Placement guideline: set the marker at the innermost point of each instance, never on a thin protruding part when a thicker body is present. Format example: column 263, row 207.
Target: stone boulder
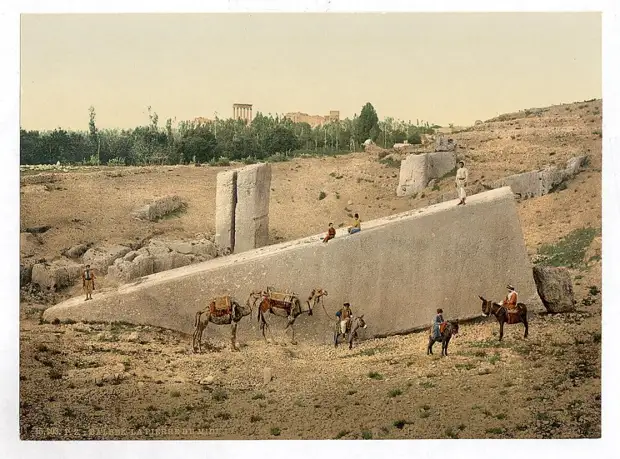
column 25, row 274
column 158, row 208
column 225, row 201
column 38, row 179
column 440, row 163
column 75, row 251
column 252, row 207
column 161, row 255
column 555, row 288
column 100, row 258
column 28, row 244
column 413, row 175
column 124, row 271
column 57, row 274
column 574, row 165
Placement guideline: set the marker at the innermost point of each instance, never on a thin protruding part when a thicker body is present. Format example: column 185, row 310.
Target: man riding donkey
column 344, row 316
column 510, row 302
column 88, row 282
column 438, row 324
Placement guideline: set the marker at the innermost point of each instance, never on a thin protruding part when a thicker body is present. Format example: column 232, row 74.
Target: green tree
column 94, row 138
column 366, row 126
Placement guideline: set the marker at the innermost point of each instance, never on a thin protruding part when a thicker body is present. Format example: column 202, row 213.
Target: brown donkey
column 504, row 316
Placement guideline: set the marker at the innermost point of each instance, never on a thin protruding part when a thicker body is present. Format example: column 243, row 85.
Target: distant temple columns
column 242, row 111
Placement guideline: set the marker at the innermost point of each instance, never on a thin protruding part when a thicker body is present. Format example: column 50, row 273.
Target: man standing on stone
column 462, row 174
column 88, row 282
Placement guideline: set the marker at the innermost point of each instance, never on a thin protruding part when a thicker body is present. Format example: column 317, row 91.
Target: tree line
column 217, row 142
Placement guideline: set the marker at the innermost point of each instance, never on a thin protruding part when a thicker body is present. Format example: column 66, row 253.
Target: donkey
column 504, row 316
column 451, row 328
column 219, row 311
column 356, row 323
column 284, row 305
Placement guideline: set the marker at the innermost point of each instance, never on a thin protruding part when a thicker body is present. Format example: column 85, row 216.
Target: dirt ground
column 109, row 381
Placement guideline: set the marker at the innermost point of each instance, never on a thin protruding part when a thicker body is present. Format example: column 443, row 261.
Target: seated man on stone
column 331, row 233
column 357, row 225
column 510, row 302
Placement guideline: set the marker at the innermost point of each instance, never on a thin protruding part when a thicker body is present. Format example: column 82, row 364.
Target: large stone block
column 555, row 288
column 396, row 272
column 525, row 185
column 158, row 208
column 252, row 207
column 56, row 275
column 550, row 177
column 126, row 270
column 440, row 163
column 574, row 165
column 225, row 201
column 100, row 258
column 413, row 175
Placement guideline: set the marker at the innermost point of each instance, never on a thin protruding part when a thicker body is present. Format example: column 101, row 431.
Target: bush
column 116, row 162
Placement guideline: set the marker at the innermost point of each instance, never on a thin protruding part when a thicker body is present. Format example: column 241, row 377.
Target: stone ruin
column 417, row 170
column 158, row 208
column 441, row 144
column 242, row 208
column 540, row 182
column 525, row 185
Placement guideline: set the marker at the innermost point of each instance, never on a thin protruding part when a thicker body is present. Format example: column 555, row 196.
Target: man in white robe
column 462, row 175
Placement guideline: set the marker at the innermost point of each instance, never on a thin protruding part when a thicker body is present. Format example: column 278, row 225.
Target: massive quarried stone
column 440, row 163
column 242, row 208
column 225, row 201
column 160, row 255
column 158, row 208
column 417, row 170
column 56, row 275
column 100, row 258
column 397, row 271
column 541, row 182
column 413, row 175
column 252, row 208
column 555, row 288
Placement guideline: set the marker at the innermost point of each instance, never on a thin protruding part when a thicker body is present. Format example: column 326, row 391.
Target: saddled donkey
column 284, row 305
column 445, row 335
column 505, row 316
column 356, row 323
column 220, row 311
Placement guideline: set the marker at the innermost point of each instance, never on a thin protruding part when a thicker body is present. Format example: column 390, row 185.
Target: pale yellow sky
column 444, row 68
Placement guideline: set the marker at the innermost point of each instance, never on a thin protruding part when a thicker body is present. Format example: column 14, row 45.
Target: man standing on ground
column 88, row 282
column 462, row 174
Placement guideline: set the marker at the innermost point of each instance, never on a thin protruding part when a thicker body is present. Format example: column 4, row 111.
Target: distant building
column 313, row 120
column 202, row 120
column 242, row 111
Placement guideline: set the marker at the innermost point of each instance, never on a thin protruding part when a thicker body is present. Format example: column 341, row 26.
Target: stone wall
column 396, row 272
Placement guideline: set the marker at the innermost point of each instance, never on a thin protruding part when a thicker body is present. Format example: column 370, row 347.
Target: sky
column 439, row 67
